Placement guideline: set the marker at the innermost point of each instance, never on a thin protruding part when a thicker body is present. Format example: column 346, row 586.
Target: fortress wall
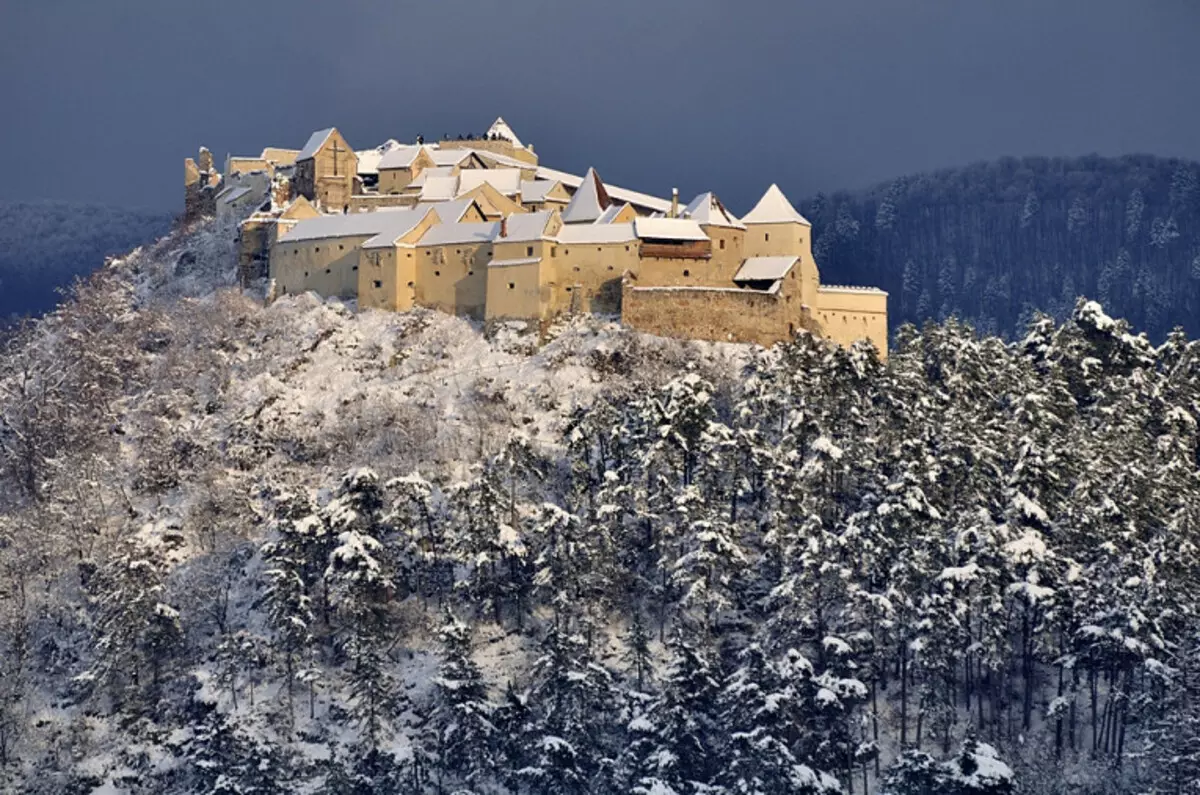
column 588, row 275
column 706, row 313
column 386, row 277
column 369, row 202
column 453, row 278
column 328, row 266
column 846, row 314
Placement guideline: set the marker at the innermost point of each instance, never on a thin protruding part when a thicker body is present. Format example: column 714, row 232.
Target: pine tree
column 462, row 732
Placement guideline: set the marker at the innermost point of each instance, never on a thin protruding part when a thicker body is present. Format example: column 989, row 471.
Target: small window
column 627, row 248
column 318, row 248
column 306, row 274
column 341, row 247
column 569, row 289
column 722, row 244
column 295, row 251
column 577, row 269
column 437, row 273
column 687, row 273
column 410, row 284
column 458, row 251
column 512, row 286
column 327, row 270
column 378, row 284
column 598, row 248
column 766, row 235
column 354, row 268
column 470, row 273
column 554, row 251
column 529, row 251
column 610, row 267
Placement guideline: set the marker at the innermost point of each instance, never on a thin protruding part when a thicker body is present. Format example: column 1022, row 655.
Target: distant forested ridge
column 991, row 242
column 45, row 245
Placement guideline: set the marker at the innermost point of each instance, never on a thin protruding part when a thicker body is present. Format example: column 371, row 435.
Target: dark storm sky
column 102, row 100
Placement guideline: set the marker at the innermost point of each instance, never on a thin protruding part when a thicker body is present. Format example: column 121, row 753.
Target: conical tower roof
column 501, row 129
column 589, row 202
column 774, row 208
column 707, row 210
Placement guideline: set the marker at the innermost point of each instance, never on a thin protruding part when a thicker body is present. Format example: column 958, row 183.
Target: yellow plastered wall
column 328, row 177
column 845, row 315
column 588, row 275
column 520, row 291
column 453, row 278
column 386, row 278
column 245, row 165
column 677, row 272
column 328, row 266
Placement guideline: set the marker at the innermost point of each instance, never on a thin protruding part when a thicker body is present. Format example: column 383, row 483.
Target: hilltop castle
column 475, row 226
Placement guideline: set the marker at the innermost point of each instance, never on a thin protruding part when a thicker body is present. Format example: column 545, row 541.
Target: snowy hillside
column 298, row 548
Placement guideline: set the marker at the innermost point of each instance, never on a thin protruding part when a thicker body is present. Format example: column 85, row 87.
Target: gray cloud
column 107, row 98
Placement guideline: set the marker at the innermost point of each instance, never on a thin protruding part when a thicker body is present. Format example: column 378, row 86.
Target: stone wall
column 369, row 202
column 707, row 313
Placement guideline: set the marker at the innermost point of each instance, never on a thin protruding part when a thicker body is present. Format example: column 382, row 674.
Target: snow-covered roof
column 500, row 263
column 501, row 129
column 595, row 233
column 535, row 190
column 450, row 212
column 706, row 209
column 589, row 202
column 774, row 208
column 612, row 212
column 434, row 171
column 315, row 142
column 668, row 229
column 448, row 157
column 439, row 189
column 849, row 288
column 398, row 225
column 279, row 156
column 616, row 194
column 523, row 227
column 761, row 269
column 505, row 180
column 356, row 224
column 451, row 234
column 399, row 156
column 368, row 159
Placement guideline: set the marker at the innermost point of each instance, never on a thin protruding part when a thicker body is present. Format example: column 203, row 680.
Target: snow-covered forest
column 45, row 245
column 295, row 548
column 997, row 241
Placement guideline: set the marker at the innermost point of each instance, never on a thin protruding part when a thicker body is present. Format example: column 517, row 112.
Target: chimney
column 674, row 202
column 503, row 226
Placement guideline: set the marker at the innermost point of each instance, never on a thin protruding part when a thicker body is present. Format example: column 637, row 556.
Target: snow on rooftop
column 450, row 212
column 233, row 194
column 774, row 208
column 505, row 180
column 668, row 229
column 355, row 224
column 589, row 202
column 707, row 209
column 501, row 129
column 426, row 173
column 399, row 156
column 315, row 142
column 449, row 157
column 439, row 189
column 848, row 288
column 595, row 233
column 612, row 212
column 535, row 190
column 527, row 226
column 501, row 263
column 368, row 159
column 450, row 234
column 756, row 269
column 617, row 194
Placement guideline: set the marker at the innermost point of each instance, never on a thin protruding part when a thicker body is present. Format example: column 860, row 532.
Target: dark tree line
column 994, row 242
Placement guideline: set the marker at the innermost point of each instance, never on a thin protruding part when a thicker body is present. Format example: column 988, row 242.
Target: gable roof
column 617, row 194
column 381, row 221
column 668, row 229
column 589, row 202
column 432, row 171
column 451, row 212
column 439, row 189
column 449, row 157
column 450, row 234
column 761, row 269
column 774, row 208
column 505, row 180
column 706, row 209
column 501, row 129
column 397, row 224
column 523, row 227
column 535, row 190
column 595, row 233
column 315, row 142
column 401, row 156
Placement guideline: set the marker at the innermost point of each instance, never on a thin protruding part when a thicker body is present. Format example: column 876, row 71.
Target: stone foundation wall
column 707, row 313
